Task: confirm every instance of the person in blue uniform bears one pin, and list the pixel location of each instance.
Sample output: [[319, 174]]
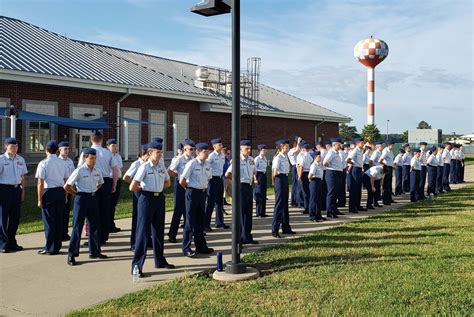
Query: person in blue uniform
[[142, 158], [261, 164], [423, 154], [446, 157], [432, 170], [64, 156], [247, 176], [373, 174], [341, 197], [386, 158], [296, 200], [375, 161], [175, 169], [333, 163], [327, 147], [440, 170], [107, 167], [406, 159], [303, 164], [280, 171], [51, 174], [215, 190], [195, 179], [315, 177], [415, 171], [398, 163], [117, 161], [355, 165], [12, 193], [151, 180], [84, 182]]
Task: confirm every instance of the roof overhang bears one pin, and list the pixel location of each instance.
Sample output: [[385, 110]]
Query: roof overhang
[[28, 77], [212, 107]]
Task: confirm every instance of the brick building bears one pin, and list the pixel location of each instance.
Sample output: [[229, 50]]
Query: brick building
[[46, 73]]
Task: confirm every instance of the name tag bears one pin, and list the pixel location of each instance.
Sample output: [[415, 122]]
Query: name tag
[[96, 175]]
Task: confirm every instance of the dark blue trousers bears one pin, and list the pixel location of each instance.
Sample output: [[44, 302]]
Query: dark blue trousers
[[324, 191], [406, 178], [246, 207], [66, 213], [195, 201], [399, 180], [370, 193], [304, 186], [333, 181], [281, 215], [296, 200], [10, 205], [348, 182], [432, 176], [341, 197], [415, 186], [453, 173], [215, 200], [104, 199], [423, 181], [179, 207], [355, 190], [387, 187], [315, 189], [114, 197], [52, 215], [150, 220], [261, 194], [439, 179], [135, 197], [85, 206], [446, 171]]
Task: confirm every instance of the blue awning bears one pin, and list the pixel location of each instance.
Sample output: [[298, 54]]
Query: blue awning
[[99, 123], [135, 121]]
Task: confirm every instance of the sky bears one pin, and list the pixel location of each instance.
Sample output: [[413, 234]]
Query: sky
[[306, 47]]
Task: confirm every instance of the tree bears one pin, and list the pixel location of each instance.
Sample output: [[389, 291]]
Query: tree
[[347, 133], [371, 133], [423, 125], [404, 136]]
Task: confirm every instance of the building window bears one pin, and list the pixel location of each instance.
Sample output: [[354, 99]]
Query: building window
[[38, 133], [134, 128], [4, 103], [181, 119], [157, 127]]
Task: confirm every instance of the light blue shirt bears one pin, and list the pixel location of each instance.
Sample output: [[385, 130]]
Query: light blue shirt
[[197, 173], [334, 160], [356, 157], [152, 177], [12, 169], [433, 160], [280, 164], [217, 161], [261, 163], [387, 157], [85, 179], [366, 157], [69, 163], [53, 171], [104, 162], [304, 159], [375, 157], [292, 156], [117, 161], [376, 172], [316, 170], [178, 163], [415, 164], [132, 170], [247, 169], [406, 158]]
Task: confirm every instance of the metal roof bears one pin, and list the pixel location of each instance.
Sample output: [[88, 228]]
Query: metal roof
[[31, 49]]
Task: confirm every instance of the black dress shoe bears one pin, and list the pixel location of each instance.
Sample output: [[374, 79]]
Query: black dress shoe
[[189, 254], [338, 213], [289, 232], [378, 205], [182, 226], [361, 209], [208, 229], [166, 266], [332, 216], [44, 252], [223, 226], [172, 240], [66, 238], [86, 243], [323, 219], [250, 242], [353, 211], [6, 250], [71, 260], [115, 230], [205, 251], [98, 256], [263, 216], [394, 202], [276, 235], [16, 248]]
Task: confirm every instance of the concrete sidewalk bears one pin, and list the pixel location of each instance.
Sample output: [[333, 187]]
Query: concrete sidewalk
[[32, 284]]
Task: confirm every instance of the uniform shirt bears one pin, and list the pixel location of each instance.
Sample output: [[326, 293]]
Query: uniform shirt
[[85, 179], [12, 169], [104, 162], [117, 160], [178, 163], [356, 156], [132, 170], [343, 155], [323, 155], [152, 177], [216, 161], [334, 160], [376, 172], [261, 164], [366, 157], [375, 157], [446, 156], [398, 159], [247, 169], [457, 156], [292, 156], [461, 155], [304, 159], [387, 157], [69, 164], [432, 160], [316, 170], [423, 158], [439, 157], [197, 173], [415, 164], [53, 171], [406, 158], [280, 164]]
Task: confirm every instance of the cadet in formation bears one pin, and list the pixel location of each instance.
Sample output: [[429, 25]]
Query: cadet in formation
[[64, 155], [303, 164], [261, 164], [333, 163], [355, 169], [315, 177]]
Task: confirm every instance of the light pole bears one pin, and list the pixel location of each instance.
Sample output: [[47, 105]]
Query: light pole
[[386, 135], [218, 7]]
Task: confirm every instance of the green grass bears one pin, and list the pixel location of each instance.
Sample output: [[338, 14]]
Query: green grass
[[416, 260], [469, 159]]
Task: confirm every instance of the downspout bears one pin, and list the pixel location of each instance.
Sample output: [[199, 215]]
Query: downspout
[[317, 126], [129, 92]]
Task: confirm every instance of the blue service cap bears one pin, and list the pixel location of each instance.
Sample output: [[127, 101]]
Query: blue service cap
[[261, 146], [314, 153], [64, 143], [318, 143], [416, 150], [10, 141], [145, 146], [441, 146], [89, 151], [336, 139], [53, 145], [188, 142], [423, 143], [96, 133], [346, 145], [390, 142], [202, 146], [157, 139], [405, 145], [111, 141], [245, 143], [359, 140], [378, 143], [456, 145], [447, 143], [282, 141], [216, 141], [433, 148], [180, 146], [155, 145], [327, 142], [401, 151], [304, 145]]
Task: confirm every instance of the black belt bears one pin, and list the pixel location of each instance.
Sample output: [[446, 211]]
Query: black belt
[[54, 188], [247, 184], [10, 186], [216, 176], [201, 190], [86, 194], [156, 194], [282, 174], [432, 165]]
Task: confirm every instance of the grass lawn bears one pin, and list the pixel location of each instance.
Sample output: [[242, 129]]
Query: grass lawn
[[469, 159], [415, 260]]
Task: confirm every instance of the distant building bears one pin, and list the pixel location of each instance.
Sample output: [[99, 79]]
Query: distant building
[[431, 136]]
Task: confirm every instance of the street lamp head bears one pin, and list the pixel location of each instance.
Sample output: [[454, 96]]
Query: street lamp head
[[212, 7]]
